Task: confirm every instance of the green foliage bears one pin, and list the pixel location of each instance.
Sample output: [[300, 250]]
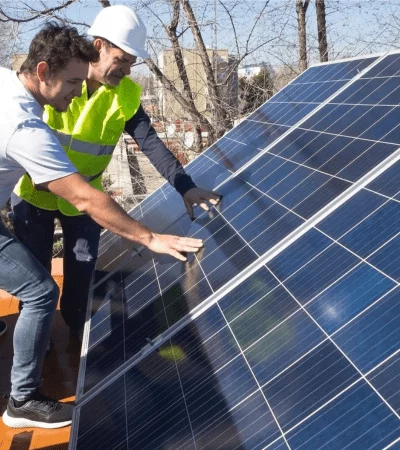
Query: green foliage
[[58, 247]]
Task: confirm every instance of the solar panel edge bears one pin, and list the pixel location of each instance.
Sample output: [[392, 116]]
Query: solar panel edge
[[354, 58]]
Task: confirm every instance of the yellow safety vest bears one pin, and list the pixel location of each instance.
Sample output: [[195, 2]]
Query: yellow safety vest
[[88, 131]]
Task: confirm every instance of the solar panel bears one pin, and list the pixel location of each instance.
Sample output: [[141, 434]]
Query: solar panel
[[221, 160], [281, 333]]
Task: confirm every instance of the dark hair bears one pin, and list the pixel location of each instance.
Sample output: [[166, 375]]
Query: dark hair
[[57, 45], [107, 43]]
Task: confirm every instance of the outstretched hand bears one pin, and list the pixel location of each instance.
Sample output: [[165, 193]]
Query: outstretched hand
[[174, 245], [201, 197]]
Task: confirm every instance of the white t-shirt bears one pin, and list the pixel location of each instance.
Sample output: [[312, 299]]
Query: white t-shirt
[[27, 144]]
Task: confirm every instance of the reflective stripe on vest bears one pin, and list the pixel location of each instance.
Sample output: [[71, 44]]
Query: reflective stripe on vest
[[88, 131], [83, 147]]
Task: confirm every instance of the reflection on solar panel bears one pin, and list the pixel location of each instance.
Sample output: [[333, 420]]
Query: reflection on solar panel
[[283, 332]]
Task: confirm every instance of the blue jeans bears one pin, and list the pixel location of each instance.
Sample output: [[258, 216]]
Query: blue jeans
[[34, 227], [24, 277]]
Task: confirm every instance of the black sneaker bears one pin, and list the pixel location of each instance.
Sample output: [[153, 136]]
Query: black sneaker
[[3, 327], [39, 411]]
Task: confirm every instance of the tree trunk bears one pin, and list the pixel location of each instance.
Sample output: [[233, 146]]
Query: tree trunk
[[301, 10], [187, 106], [220, 120], [321, 24], [172, 33]]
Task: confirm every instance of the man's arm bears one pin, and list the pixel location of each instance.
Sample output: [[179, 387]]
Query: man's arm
[[49, 168], [141, 130], [107, 213]]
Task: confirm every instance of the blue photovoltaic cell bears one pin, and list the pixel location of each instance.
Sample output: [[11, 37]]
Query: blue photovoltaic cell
[[357, 419], [350, 295], [282, 346], [386, 379], [388, 183], [351, 213], [387, 258], [302, 353], [373, 336], [308, 384], [375, 230]]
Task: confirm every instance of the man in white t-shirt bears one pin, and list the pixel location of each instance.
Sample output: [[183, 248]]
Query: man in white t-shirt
[[56, 66]]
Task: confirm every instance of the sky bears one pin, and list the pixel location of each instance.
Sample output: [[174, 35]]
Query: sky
[[354, 26]]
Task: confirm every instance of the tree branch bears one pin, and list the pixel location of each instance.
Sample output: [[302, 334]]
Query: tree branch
[[180, 99], [44, 12]]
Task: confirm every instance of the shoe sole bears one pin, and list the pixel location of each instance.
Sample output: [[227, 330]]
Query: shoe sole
[[20, 422], [2, 332]]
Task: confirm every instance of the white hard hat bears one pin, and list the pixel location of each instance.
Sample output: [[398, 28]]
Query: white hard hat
[[122, 27]]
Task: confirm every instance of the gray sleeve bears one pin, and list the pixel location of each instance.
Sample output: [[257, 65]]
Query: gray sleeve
[[34, 147]]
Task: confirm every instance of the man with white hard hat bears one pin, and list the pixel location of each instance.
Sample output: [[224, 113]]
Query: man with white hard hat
[[89, 131]]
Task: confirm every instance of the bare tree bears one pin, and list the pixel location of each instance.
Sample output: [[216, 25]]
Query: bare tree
[[221, 114], [301, 10], [321, 25]]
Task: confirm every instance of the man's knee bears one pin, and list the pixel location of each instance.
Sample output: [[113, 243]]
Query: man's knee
[[43, 295]]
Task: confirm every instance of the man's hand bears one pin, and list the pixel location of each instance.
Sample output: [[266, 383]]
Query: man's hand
[[200, 197], [174, 245]]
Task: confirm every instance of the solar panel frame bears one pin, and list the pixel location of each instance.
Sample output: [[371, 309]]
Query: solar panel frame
[[296, 234]]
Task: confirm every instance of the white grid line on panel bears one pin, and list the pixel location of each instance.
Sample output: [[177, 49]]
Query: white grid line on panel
[[315, 111], [318, 409], [255, 378], [391, 445], [359, 420], [341, 351], [176, 367], [382, 363]]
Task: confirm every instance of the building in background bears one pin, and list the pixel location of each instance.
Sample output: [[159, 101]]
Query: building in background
[[226, 77]]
